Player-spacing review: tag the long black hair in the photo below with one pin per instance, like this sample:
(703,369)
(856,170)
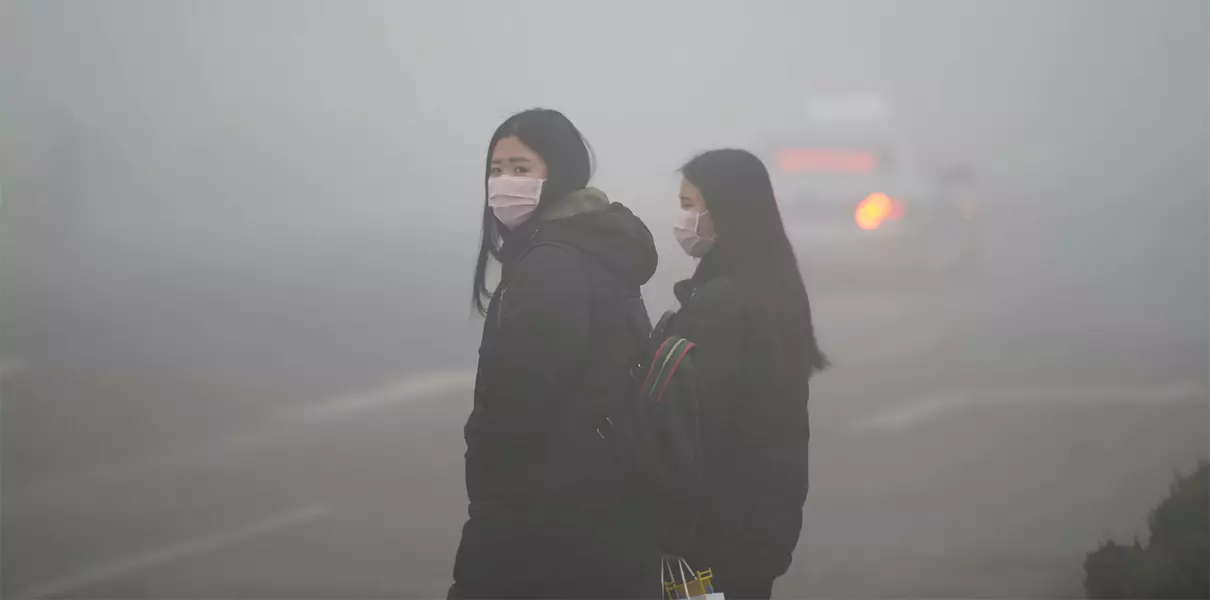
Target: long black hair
(755,251)
(569,166)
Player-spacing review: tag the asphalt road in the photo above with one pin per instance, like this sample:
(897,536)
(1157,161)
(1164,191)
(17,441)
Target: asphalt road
(960,449)
(226,424)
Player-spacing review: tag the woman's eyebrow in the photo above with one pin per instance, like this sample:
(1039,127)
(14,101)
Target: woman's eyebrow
(512,160)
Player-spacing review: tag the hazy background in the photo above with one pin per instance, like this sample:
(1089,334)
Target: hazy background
(218,213)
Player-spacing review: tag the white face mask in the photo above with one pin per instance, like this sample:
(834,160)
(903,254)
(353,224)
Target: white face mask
(686,232)
(513,199)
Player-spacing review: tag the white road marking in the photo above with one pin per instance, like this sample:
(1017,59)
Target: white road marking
(1158,393)
(404,390)
(408,389)
(932,406)
(46,490)
(173,554)
(912,412)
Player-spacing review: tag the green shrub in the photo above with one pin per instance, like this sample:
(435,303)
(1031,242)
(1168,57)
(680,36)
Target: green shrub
(1175,563)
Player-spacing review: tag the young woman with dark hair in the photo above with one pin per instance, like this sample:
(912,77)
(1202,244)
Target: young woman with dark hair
(548,508)
(747,310)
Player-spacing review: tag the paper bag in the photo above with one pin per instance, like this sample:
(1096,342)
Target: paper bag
(691,585)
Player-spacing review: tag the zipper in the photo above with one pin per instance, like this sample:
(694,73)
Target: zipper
(500,302)
(500,308)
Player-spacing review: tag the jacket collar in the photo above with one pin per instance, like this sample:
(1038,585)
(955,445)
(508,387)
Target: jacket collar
(708,268)
(582,201)
(587,200)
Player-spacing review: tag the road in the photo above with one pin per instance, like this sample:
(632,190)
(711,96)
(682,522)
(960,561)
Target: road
(966,443)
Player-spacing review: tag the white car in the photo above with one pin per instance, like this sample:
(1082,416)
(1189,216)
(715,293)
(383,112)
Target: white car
(854,197)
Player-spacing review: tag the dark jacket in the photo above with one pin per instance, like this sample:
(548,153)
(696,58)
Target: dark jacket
(755,431)
(547,505)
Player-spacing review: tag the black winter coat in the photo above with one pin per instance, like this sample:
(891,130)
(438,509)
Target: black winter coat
(755,432)
(548,511)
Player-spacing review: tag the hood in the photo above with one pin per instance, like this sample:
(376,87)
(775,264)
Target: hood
(605,230)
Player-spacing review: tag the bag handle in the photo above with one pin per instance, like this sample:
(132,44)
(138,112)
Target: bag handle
(682,564)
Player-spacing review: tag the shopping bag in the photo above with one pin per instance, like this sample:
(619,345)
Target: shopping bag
(692,585)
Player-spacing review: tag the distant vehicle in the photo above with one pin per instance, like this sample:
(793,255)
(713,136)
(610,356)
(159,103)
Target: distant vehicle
(854,196)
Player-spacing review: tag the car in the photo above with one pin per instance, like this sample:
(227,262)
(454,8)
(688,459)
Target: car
(855,198)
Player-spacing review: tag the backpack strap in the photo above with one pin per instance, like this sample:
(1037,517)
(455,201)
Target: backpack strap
(664,365)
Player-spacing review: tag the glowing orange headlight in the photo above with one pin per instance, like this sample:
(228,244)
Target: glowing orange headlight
(876,209)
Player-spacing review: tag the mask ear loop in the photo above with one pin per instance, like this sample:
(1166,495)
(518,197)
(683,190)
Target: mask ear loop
(697,226)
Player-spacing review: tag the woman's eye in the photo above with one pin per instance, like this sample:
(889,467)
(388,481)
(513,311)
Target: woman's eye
(520,170)
(495,170)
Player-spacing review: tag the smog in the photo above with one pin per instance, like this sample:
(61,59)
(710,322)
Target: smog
(237,239)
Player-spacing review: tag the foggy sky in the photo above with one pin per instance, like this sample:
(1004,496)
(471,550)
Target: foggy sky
(303,115)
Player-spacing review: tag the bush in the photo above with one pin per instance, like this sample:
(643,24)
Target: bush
(1175,563)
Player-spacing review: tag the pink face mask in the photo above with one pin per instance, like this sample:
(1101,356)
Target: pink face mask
(687,229)
(513,199)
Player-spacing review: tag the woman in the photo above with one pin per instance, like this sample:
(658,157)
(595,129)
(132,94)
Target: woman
(547,508)
(747,310)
